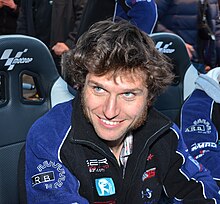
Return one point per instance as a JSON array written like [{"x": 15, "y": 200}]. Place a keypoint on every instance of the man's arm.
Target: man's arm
[
  {"x": 78, "y": 10},
  {"x": 10, "y": 4},
  {"x": 141, "y": 13},
  {"x": 187, "y": 180},
  {"x": 47, "y": 179},
  {"x": 162, "y": 7},
  {"x": 22, "y": 18},
  {"x": 60, "y": 47},
  {"x": 199, "y": 131},
  {"x": 217, "y": 36}
]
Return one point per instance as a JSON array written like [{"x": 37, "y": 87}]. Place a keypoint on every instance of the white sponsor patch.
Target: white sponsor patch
[
  {"x": 51, "y": 174},
  {"x": 200, "y": 126}
]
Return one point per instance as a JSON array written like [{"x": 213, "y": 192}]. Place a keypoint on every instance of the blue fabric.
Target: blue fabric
[
  {"x": 51, "y": 180},
  {"x": 192, "y": 169},
  {"x": 200, "y": 67},
  {"x": 143, "y": 14},
  {"x": 209, "y": 83},
  {"x": 199, "y": 132},
  {"x": 180, "y": 17}
]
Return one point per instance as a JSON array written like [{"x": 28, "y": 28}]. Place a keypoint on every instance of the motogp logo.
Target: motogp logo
[
  {"x": 164, "y": 48},
  {"x": 17, "y": 59}
]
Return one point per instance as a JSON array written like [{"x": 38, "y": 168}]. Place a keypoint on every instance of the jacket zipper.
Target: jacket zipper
[{"x": 139, "y": 156}]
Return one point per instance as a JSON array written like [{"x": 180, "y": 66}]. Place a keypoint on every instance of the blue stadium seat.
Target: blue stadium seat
[
  {"x": 171, "y": 100},
  {"x": 29, "y": 86}
]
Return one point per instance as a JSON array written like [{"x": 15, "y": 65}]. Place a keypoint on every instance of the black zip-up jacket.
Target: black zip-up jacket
[
  {"x": 64, "y": 155},
  {"x": 51, "y": 21}
]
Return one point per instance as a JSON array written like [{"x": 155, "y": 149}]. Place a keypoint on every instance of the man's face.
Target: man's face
[{"x": 115, "y": 105}]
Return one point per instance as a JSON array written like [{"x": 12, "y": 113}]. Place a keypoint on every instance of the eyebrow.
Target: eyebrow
[
  {"x": 133, "y": 90},
  {"x": 91, "y": 82}
]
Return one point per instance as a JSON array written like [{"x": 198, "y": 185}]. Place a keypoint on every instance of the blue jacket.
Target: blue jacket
[
  {"x": 199, "y": 124},
  {"x": 143, "y": 13},
  {"x": 67, "y": 163},
  {"x": 180, "y": 17}
]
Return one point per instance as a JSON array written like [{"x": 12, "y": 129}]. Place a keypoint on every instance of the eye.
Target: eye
[
  {"x": 128, "y": 95},
  {"x": 98, "y": 89}
]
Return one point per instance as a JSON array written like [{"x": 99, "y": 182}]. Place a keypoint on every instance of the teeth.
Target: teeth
[{"x": 110, "y": 122}]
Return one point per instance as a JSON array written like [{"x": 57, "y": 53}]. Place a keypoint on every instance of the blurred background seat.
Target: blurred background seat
[
  {"x": 29, "y": 86},
  {"x": 171, "y": 100}
]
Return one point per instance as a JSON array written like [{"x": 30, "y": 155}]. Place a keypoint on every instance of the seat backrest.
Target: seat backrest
[
  {"x": 174, "y": 47},
  {"x": 29, "y": 86}
]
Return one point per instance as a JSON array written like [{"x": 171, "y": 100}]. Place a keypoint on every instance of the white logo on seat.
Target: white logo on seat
[
  {"x": 17, "y": 59},
  {"x": 165, "y": 48}
]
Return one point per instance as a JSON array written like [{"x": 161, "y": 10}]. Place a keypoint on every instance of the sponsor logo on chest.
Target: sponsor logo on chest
[{"x": 97, "y": 165}]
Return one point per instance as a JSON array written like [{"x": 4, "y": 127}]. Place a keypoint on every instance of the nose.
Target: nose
[{"x": 111, "y": 108}]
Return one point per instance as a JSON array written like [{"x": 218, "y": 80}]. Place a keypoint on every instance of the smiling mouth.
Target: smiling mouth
[{"x": 112, "y": 123}]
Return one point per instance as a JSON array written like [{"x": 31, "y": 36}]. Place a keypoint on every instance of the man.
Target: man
[
  {"x": 200, "y": 119},
  {"x": 54, "y": 22},
  {"x": 186, "y": 19},
  {"x": 141, "y": 13},
  {"x": 109, "y": 145}
]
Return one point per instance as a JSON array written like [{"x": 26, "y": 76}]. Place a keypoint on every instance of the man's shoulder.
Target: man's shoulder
[
  {"x": 59, "y": 113},
  {"x": 52, "y": 126}
]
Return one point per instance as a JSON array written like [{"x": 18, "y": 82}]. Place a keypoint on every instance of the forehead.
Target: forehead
[{"x": 120, "y": 77}]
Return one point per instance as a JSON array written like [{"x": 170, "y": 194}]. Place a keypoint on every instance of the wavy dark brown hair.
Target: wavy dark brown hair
[{"x": 117, "y": 47}]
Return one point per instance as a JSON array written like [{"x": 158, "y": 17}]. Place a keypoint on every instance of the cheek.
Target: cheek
[
  {"x": 92, "y": 103},
  {"x": 140, "y": 117},
  {"x": 136, "y": 110}
]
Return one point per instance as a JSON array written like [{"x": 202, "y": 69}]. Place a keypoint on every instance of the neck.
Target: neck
[
  {"x": 115, "y": 148},
  {"x": 117, "y": 151}
]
